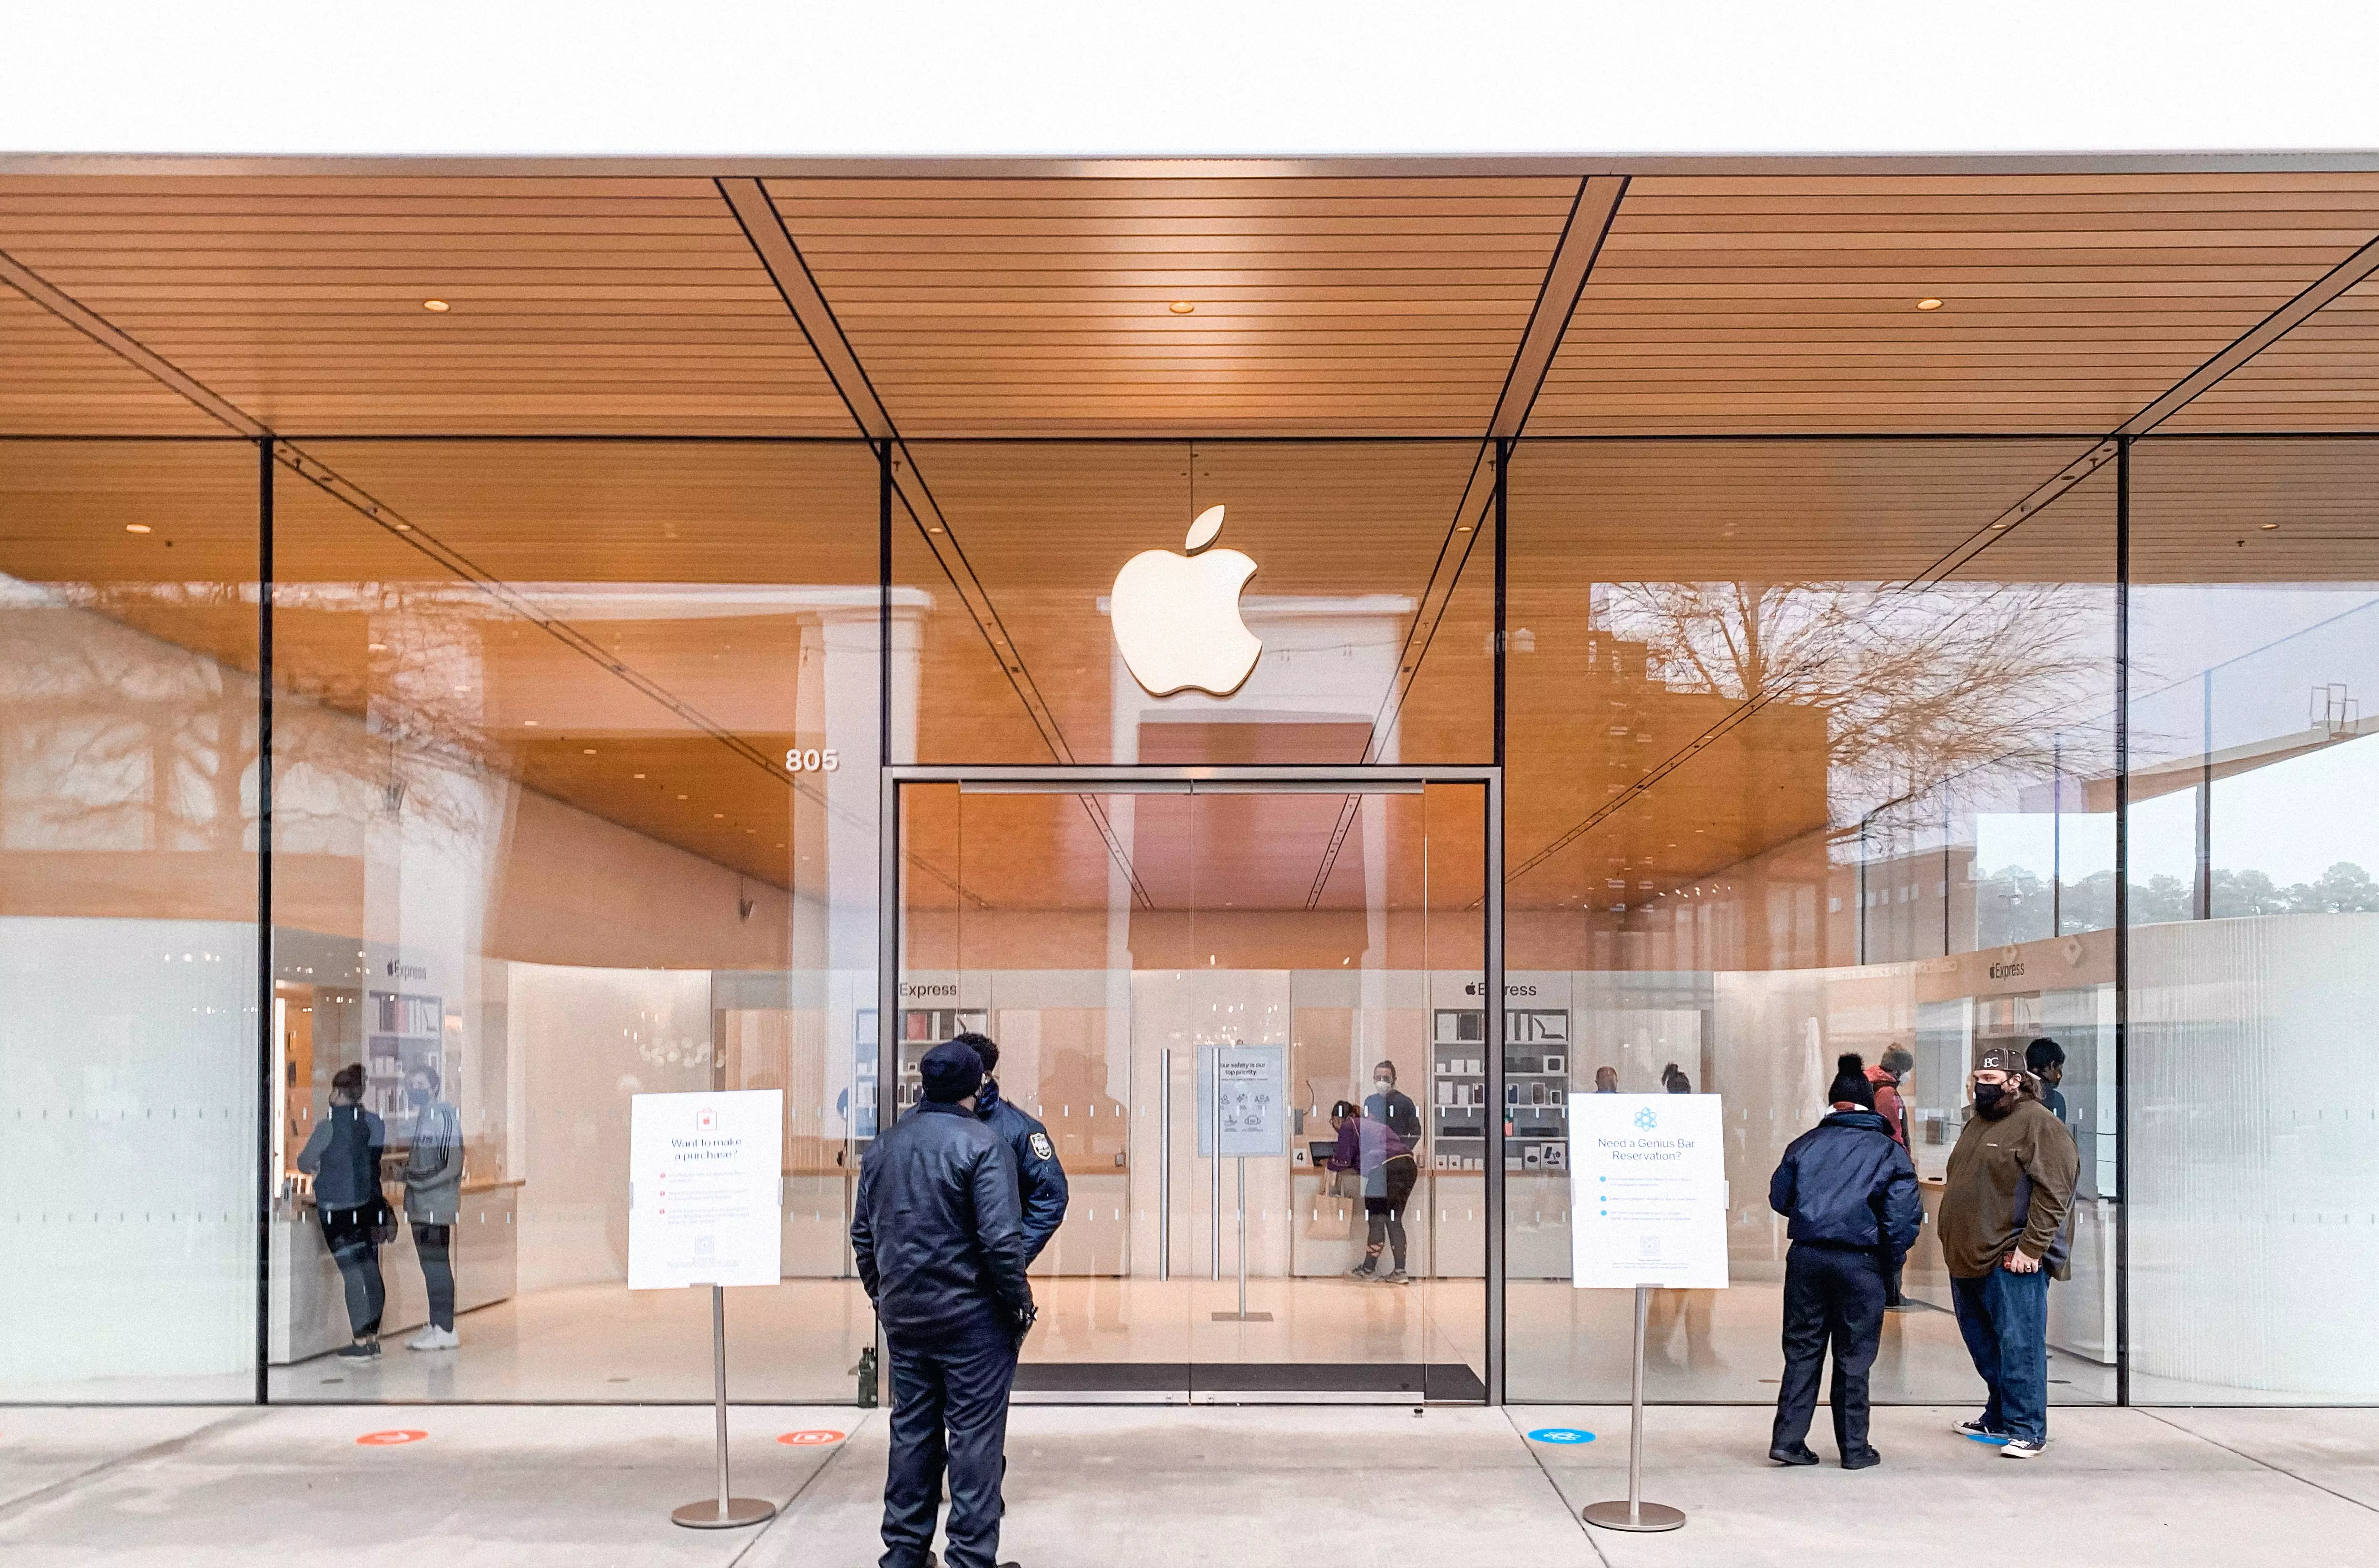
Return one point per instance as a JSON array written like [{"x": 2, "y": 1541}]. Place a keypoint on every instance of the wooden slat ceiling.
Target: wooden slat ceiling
[
  {"x": 2199, "y": 511},
  {"x": 56, "y": 381},
  {"x": 2323, "y": 376},
  {"x": 2070, "y": 302},
  {"x": 1041, "y": 306},
  {"x": 579, "y": 306}
]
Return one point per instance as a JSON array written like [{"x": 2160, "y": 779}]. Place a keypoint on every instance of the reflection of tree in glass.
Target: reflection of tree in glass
[
  {"x": 2012, "y": 903},
  {"x": 1920, "y": 687}
]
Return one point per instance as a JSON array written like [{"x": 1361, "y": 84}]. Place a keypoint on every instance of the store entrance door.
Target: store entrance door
[{"x": 1196, "y": 978}]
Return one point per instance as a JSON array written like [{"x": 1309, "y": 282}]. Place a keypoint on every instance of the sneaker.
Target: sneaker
[
  {"x": 1862, "y": 1459},
  {"x": 1397, "y": 1276},
  {"x": 361, "y": 1350},
  {"x": 1799, "y": 1453},
  {"x": 1363, "y": 1270},
  {"x": 2019, "y": 1448},
  {"x": 434, "y": 1338},
  {"x": 1979, "y": 1432}
]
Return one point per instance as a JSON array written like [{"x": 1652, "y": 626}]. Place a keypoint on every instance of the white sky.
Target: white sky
[{"x": 1095, "y": 76}]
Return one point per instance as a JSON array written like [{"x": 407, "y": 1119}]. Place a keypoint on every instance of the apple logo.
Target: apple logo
[{"x": 1176, "y": 616}]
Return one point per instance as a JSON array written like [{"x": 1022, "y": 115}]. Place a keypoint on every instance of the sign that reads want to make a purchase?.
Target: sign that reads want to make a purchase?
[
  {"x": 1648, "y": 1192},
  {"x": 705, "y": 1187}
]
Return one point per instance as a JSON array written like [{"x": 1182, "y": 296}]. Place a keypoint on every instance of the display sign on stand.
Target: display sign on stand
[
  {"x": 1242, "y": 1115},
  {"x": 1648, "y": 1211},
  {"x": 706, "y": 1190}
]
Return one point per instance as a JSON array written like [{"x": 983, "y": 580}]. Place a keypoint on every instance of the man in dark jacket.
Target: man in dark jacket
[
  {"x": 939, "y": 1243},
  {"x": 1040, "y": 1179},
  {"x": 1850, "y": 1192}
]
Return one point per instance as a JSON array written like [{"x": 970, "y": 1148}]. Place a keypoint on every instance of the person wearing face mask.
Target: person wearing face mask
[
  {"x": 433, "y": 1197},
  {"x": 342, "y": 1156},
  {"x": 1382, "y": 1144},
  {"x": 2046, "y": 1059},
  {"x": 2004, "y": 1209}
]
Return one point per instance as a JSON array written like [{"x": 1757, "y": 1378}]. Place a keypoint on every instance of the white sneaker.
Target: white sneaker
[
  {"x": 2016, "y": 1448},
  {"x": 434, "y": 1338}
]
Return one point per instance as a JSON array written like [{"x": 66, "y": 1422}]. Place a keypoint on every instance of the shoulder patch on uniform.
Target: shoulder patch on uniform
[{"x": 1041, "y": 1148}]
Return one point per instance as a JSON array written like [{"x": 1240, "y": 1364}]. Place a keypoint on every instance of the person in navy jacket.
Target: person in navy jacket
[
  {"x": 1039, "y": 1177},
  {"x": 1849, "y": 1191}
]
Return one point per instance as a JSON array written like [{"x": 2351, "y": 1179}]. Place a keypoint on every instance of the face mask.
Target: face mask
[
  {"x": 1383, "y": 1084},
  {"x": 417, "y": 1095},
  {"x": 1992, "y": 1098}
]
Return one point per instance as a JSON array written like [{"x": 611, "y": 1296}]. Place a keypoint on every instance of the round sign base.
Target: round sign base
[
  {"x": 1649, "y": 1516},
  {"x": 740, "y": 1510}
]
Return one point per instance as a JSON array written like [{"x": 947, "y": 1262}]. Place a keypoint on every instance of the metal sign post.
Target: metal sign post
[
  {"x": 726, "y": 1512},
  {"x": 1636, "y": 1513}
]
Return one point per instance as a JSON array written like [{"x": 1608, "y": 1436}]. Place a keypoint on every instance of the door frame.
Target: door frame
[{"x": 1094, "y": 778}]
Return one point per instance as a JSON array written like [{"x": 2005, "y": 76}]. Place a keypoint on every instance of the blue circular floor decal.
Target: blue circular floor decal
[{"x": 1560, "y": 1434}]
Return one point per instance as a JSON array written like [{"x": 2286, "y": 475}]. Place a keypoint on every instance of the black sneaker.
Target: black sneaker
[
  {"x": 1365, "y": 1270},
  {"x": 1799, "y": 1453},
  {"x": 1979, "y": 1431},
  {"x": 1861, "y": 1459},
  {"x": 361, "y": 1350}
]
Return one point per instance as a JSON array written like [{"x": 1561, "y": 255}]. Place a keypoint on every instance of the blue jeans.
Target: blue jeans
[
  {"x": 2004, "y": 1316},
  {"x": 949, "y": 1412}
]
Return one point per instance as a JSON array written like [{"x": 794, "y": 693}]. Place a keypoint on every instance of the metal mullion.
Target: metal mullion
[
  {"x": 267, "y": 1044},
  {"x": 1497, "y": 1360},
  {"x": 2122, "y": 920}
]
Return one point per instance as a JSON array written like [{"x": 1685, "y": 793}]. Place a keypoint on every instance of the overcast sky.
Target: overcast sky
[{"x": 929, "y": 77}]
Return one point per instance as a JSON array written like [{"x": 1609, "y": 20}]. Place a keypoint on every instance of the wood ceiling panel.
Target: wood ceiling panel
[
  {"x": 55, "y": 380},
  {"x": 2323, "y": 376},
  {"x": 1323, "y": 307},
  {"x": 579, "y": 306},
  {"x": 2070, "y": 302}
]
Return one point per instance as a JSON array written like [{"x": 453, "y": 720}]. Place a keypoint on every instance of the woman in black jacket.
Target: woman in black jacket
[{"x": 342, "y": 1156}]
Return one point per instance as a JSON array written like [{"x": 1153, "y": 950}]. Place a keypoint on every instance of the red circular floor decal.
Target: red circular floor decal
[
  {"x": 808, "y": 1439},
  {"x": 390, "y": 1439}
]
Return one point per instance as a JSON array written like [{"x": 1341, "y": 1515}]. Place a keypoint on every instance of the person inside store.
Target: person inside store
[
  {"x": 1606, "y": 1081},
  {"x": 2045, "y": 1059},
  {"x": 1848, "y": 1192},
  {"x": 342, "y": 1156},
  {"x": 1388, "y": 1103},
  {"x": 938, "y": 1236},
  {"x": 1039, "y": 1176},
  {"x": 433, "y": 1199},
  {"x": 1891, "y": 1105},
  {"x": 2004, "y": 1211},
  {"x": 1370, "y": 1146},
  {"x": 1673, "y": 1080}
]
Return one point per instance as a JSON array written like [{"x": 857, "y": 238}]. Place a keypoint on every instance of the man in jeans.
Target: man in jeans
[{"x": 2003, "y": 1214}]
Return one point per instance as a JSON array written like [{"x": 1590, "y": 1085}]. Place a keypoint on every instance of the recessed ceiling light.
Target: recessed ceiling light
[
  {"x": 135, "y": 527},
  {"x": 719, "y": 816},
  {"x": 1182, "y": 306},
  {"x": 530, "y": 722},
  {"x": 2269, "y": 526},
  {"x": 1929, "y": 303},
  {"x": 640, "y": 776},
  {"x": 680, "y": 796},
  {"x": 587, "y": 749},
  {"x": 375, "y": 647},
  {"x": 438, "y": 304}
]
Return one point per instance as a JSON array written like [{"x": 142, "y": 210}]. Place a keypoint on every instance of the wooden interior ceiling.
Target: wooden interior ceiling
[
  {"x": 2322, "y": 376},
  {"x": 583, "y": 306},
  {"x": 2255, "y": 510},
  {"x": 1327, "y": 306},
  {"x": 2069, "y": 302}
]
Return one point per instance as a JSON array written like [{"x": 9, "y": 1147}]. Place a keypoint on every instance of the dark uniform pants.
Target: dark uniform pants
[
  {"x": 949, "y": 1411},
  {"x": 1833, "y": 1296}
]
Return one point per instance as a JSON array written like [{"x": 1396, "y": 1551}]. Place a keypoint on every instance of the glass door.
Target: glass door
[{"x": 1214, "y": 996}]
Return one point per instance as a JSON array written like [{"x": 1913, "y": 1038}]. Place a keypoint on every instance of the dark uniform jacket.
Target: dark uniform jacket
[
  {"x": 1847, "y": 1182},
  {"x": 1039, "y": 1177},
  {"x": 935, "y": 1231}
]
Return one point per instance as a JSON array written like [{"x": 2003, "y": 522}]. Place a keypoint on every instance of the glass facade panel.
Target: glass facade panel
[
  {"x": 128, "y": 790},
  {"x": 2254, "y": 648},
  {"x": 1009, "y": 554},
  {"x": 575, "y": 754},
  {"x": 1807, "y": 757}
]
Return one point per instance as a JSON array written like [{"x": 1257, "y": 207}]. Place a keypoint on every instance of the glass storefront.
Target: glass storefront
[{"x": 563, "y": 782}]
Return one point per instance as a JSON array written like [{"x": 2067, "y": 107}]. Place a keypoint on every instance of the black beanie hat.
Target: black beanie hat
[
  {"x": 950, "y": 1071},
  {"x": 1850, "y": 1083}
]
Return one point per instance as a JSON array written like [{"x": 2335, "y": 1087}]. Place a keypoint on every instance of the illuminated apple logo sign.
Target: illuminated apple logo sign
[{"x": 1176, "y": 616}]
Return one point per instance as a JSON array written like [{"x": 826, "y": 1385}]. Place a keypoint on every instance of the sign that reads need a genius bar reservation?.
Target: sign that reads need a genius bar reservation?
[
  {"x": 704, "y": 1185},
  {"x": 1648, "y": 1192}
]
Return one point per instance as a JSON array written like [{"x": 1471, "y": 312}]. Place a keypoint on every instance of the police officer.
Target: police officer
[
  {"x": 1039, "y": 1177},
  {"x": 939, "y": 1243}
]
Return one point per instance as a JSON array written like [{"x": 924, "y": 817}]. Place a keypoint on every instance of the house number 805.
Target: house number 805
[{"x": 812, "y": 760}]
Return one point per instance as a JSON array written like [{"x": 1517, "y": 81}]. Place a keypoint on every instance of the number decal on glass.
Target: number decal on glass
[{"x": 812, "y": 760}]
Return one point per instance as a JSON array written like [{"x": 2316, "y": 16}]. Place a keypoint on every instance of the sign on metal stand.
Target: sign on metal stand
[
  {"x": 1648, "y": 1211},
  {"x": 1244, "y": 1089},
  {"x": 704, "y": 1192}
]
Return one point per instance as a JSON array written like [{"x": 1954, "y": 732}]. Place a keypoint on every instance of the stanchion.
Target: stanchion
[
  {"x": 1634, "y": 1514},
  {"x": 726, "y": 1512}
]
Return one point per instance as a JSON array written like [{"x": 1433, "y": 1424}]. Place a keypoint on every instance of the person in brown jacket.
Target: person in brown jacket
[
  {"x": 1891, "y": 1105},
  {"x": 2004, "y": 1213}
]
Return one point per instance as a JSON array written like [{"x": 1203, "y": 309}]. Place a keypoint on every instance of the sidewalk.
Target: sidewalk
[{"x": 1090, "y": 1487}]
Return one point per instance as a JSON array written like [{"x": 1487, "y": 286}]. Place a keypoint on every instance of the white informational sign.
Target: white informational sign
[
  {"x": 705, "y": 1182},
  {"x": 1243, "y": 1101},
  {"x": 1648, "y": 1192}
]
